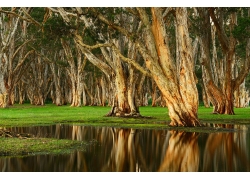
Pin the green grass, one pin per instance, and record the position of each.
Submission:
(34, 146)
(30, 115)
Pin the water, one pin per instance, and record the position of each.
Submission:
(131, 150)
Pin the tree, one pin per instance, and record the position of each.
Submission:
(178, 86)
(8, 25)
(219, 79)
(121, 76)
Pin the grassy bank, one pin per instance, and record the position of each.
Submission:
(29, 115)
(35, 146)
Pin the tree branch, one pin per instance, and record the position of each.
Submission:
(30, 19)
(79, 40)
(245, 68)
(221, 34)
(22, 61)
(131, 61)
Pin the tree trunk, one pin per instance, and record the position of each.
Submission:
(8, 30)
(3, 93)
(125, 102)
(103, 84)
(75, 72)
(178, 90)
(57, 84)
(220, 83)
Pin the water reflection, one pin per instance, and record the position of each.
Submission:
(138, 150)
(228, 150)
(182, 153)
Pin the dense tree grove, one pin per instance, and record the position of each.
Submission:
(126, 58)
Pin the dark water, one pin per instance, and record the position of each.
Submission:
(131, 150)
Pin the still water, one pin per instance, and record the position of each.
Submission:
(135, 150)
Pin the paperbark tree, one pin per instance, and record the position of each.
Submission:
(38, 80)
(58, 72)
(121, 75)
(178, 89)
(8, 29)
(219, 80)
(75, 72)
(15, 38)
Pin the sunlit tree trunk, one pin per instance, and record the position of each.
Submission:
(125, 86)
(113, 68)
(178, 90)
(121, 79)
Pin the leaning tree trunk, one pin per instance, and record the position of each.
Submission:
(178, 89)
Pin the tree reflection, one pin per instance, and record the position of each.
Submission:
(226, 151)
(120, 150)
(182, 153)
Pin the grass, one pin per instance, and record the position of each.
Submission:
(34, 146)
(29, 115)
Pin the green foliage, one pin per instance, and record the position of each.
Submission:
(6, 19)
(48, 36)
(242, 31)
(241, 50)
(37, 13)
(232, 9)
(248, 82)
(55, 28)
